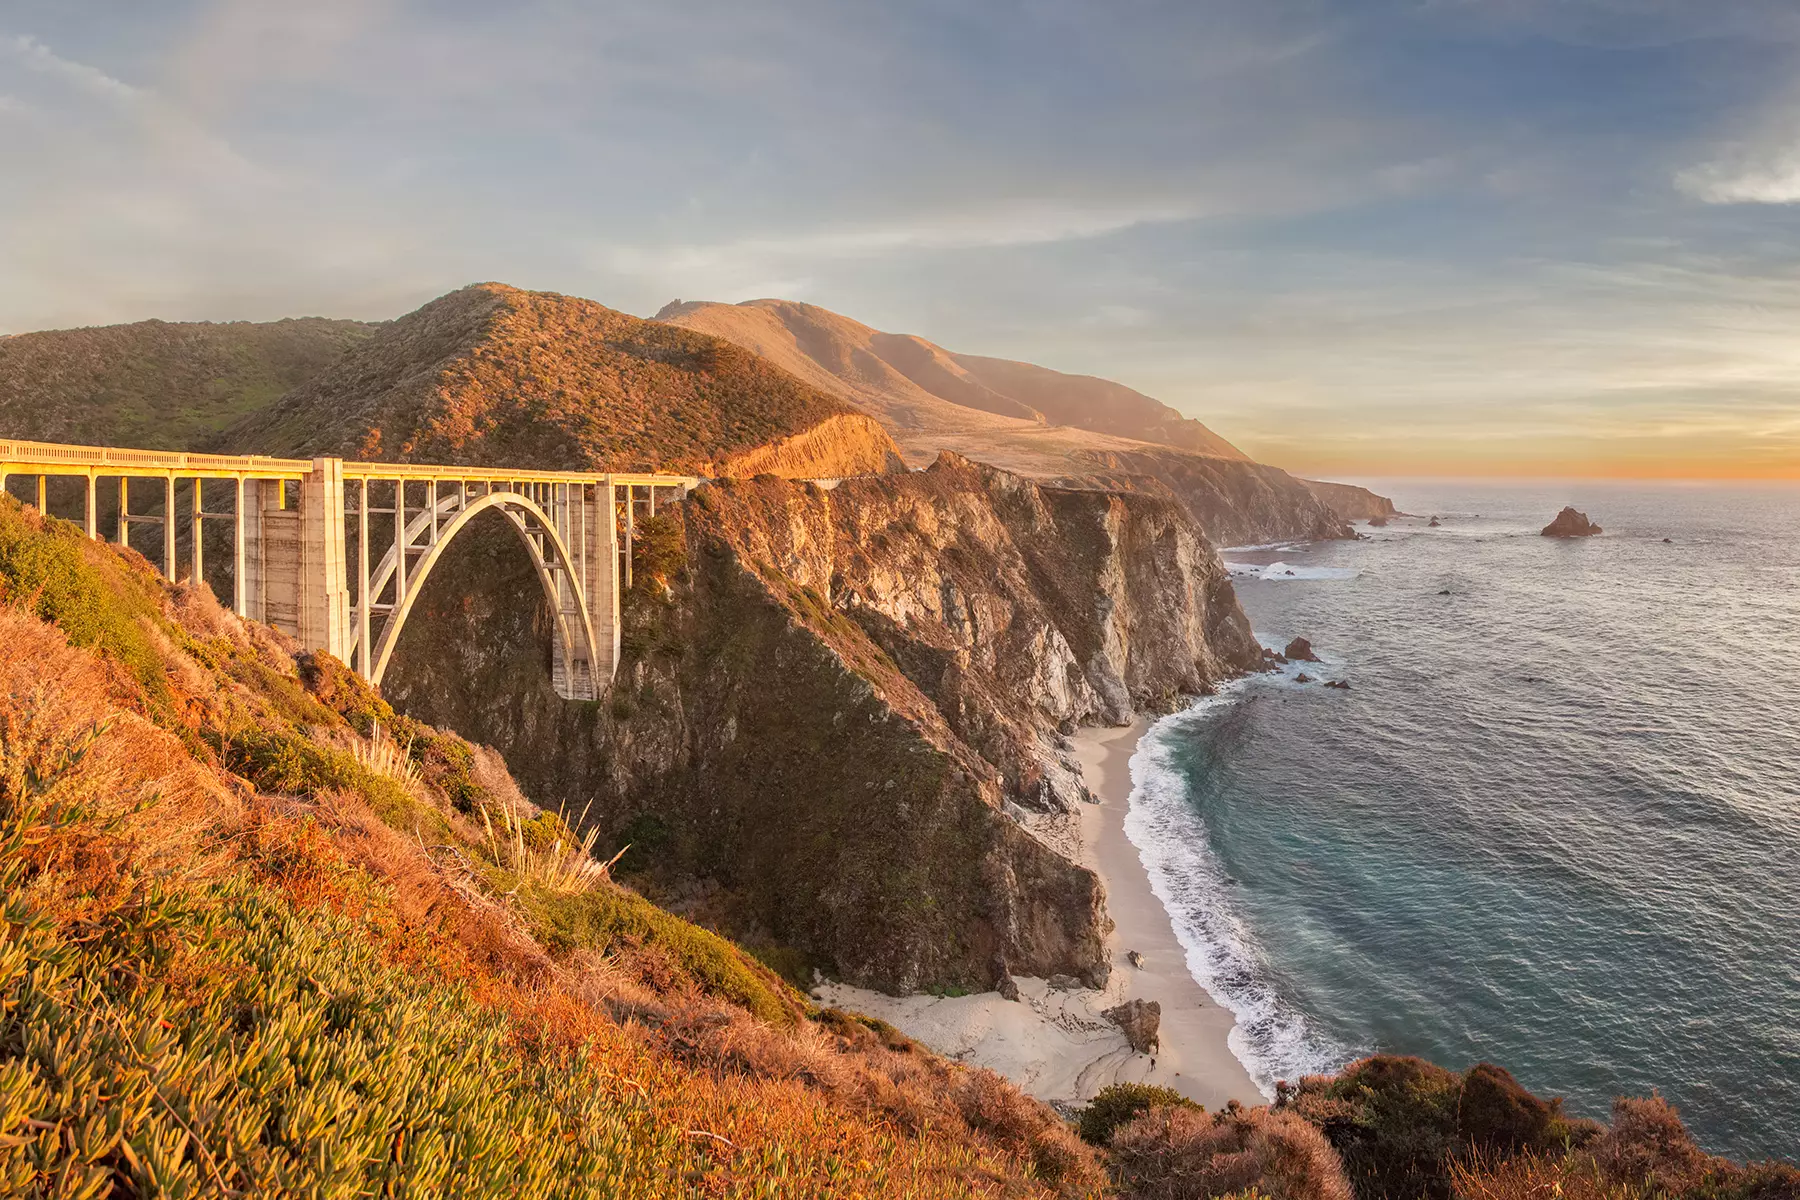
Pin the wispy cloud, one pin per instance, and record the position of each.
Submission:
(38, 57)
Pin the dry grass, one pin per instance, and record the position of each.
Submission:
(1537, 1177)
(382, 755)
(1172, 1153)
(544, 854)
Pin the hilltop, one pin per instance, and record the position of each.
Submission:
(1074, 430)
(156, 384)
(493, 374)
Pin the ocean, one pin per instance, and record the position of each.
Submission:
(1554, 823)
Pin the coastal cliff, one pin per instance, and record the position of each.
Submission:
(837, 706)
(1349, 502)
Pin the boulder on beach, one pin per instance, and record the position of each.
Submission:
(1433, 523)
(1570, 523)
(1140, 1019)
(1300, 650)
(1338, 684)
(1303, 677)
(1378, 522)
(1134, 958)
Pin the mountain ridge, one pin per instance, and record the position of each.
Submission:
(1069, 430)
(494, 374)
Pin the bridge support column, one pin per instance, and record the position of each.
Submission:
(599, 558)
(324, 585)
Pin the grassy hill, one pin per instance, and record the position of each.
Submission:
(156, 384)
(492, 374)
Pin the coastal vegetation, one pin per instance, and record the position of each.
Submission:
(246, 950)
(159, 385)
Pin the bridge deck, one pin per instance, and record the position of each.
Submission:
(50, 458)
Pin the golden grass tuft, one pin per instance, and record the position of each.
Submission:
(544, 854)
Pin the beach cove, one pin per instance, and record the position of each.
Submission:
(1057, 1044)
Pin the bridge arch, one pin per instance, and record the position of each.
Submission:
(549, 557)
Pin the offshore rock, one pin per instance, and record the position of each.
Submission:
(1300, 650)
(1570, 523)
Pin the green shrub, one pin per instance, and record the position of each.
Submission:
(1498, 1116)
(658, 550)
(1393, 1120)
(63, 578)
(609, 917)
(1118, 1103)
(280, 760)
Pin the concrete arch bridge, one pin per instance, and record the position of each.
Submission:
(335, 553)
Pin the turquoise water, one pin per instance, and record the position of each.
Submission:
(1554, 824)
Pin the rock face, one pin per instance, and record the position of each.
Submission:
(1351, 503)
(1140, 1019)
(1300, 650)
(1569, 524)
(832, 717)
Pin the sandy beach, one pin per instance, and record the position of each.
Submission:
(1056, 1044)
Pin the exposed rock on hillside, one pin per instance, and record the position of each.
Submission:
(1073, 430)
(1349, 502)
(156, 384)
(829, 711)
(1569, 524)
(492, 374)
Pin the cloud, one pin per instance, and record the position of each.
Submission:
(40, 58)
(1746, 176)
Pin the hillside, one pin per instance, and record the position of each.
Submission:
(262, 936)
(156, 384)
(908, 379)
(492, 374)
(1069, 429)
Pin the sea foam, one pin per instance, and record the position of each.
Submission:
(1270, 1036)
(1278, 571)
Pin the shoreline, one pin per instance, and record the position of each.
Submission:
(1056, 1044)
(1196, 1059)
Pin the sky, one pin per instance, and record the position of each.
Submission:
(1357, 237)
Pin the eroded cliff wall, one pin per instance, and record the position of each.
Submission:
(830, 697)
(1350, 502)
